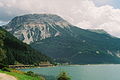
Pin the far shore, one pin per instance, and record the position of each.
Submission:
(91, 64)
(69, 65)
(28, 66)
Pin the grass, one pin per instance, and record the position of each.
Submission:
(21, 76)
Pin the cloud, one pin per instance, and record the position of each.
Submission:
(2, 23)
(93, 14)
(104, 17)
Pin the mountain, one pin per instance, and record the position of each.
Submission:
(63, 41)
(34, 27)
(100, 31)
(13, 51)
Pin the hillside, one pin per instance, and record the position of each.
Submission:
(13, 51)
(63, 41)
(84, 48)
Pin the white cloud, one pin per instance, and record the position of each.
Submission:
(83, 13)
(1, 4)
(2, 23)
(105, 17)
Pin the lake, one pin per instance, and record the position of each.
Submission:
(81, 72)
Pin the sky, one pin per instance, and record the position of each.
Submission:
(86, 14)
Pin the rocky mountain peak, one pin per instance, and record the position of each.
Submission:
(37, 19)
(33, 27)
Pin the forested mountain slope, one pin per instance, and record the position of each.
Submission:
(13, 51)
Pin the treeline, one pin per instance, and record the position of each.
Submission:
(13, 51)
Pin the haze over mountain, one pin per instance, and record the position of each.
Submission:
(63, 41)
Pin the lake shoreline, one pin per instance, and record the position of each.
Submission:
(81, 72)
(94, 64)
(68, 65)
(29, 66)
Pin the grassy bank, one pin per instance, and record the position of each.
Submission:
(21, 76)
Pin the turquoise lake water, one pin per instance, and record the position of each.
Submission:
(81, 72)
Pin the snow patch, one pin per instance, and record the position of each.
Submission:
(109, 52)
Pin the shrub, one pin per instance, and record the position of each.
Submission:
(30, 73)
(2, 66)
(6, 69)
(17, 71)
(63, 76)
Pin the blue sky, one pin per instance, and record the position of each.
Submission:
(114, 3)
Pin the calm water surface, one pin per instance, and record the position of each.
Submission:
(81, 72)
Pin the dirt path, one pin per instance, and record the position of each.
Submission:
(6, 77)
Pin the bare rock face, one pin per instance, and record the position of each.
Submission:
(33, 27)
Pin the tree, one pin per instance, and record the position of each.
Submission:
(2, 51)
(2, 54)
(63, 76)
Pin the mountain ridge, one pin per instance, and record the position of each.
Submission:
(67, 43)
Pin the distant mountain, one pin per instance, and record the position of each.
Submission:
(13, 51)
(57, 38)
